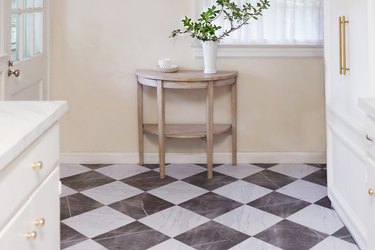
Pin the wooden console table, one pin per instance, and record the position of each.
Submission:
(186, 80)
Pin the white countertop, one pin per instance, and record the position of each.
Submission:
(22, 122)
(368, 105)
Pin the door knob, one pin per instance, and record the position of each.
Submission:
(371, 192)
(16, 72)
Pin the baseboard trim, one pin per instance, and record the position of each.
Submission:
(153, 158)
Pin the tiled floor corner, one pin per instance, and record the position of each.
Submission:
(251, 206)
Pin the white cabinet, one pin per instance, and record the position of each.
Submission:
(349, 168)
(29, 175)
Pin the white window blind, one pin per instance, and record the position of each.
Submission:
(286, 22)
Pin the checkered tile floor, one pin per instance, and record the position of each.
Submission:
(250, 206)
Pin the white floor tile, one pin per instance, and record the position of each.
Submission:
(122, 171)
(65, 191)
(304, 190)
(332, 243)
(171, 244)
(240, 171)
(248, 220)
(322, 219)
(112, 192)
(174, 221)
(98, 221)
(181, 171)
(254, 243)
(86, 245)
(242, 191)
(67, 170)
(294, 170)
(178, 192)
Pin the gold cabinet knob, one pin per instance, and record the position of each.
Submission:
(371, 192)
(38, 165)
(31, 235)
(40, 222)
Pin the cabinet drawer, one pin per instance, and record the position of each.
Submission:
(20, 179)
(39, 215)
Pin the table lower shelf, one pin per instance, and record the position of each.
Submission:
(186, 131)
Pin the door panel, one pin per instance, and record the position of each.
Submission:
(25, 42)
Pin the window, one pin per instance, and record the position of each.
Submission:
(286, 22)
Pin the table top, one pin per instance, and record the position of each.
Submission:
(185, 75)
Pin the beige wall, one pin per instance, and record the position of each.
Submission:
(98, 44)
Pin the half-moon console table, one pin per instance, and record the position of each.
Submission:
(186, 80)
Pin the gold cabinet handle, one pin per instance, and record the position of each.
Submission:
(40, 222)
(371, 192)
(342, 45)
(31, 235)
(37, 165)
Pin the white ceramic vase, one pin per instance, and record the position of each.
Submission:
(209, 56)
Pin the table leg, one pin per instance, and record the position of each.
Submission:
(140, 123)
(161, 126)
(210, 124)
(234, 123)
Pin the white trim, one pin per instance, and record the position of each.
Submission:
(153, 158)
(272, 51)
(349, 218)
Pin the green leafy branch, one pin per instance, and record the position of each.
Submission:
(205, 30)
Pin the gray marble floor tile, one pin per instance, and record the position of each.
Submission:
(178, 192)
(210, 205)
(86, 181)
(344, 234)
(201, 180)
(254, 244)
(87, 245)
(148, 181)
(213, 236)
(151, 166)
(239, 171)
(141, 205)
(76, 204)
(98, 221)
(304, 190)
(324, 202)
(134, 236)
(291, 236)
(294, 170)
(171, 244)
(264, 165)
(318, 218)
(96, 166)
(122, 171)
(242, 191)
(112, 192)
(174, 221)
(181, 171)
(69, 236)
(270, 179)
(65, 191)
(333, 243)
(279, 204)
(319, 177)
(248, 220)
(67, 170)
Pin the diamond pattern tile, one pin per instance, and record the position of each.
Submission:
(212, 235)
(279, 204)
(148, 181)
(141, 206)
(248, 206)
(210, 205)
(270, 179)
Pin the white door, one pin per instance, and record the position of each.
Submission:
(24, 49)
